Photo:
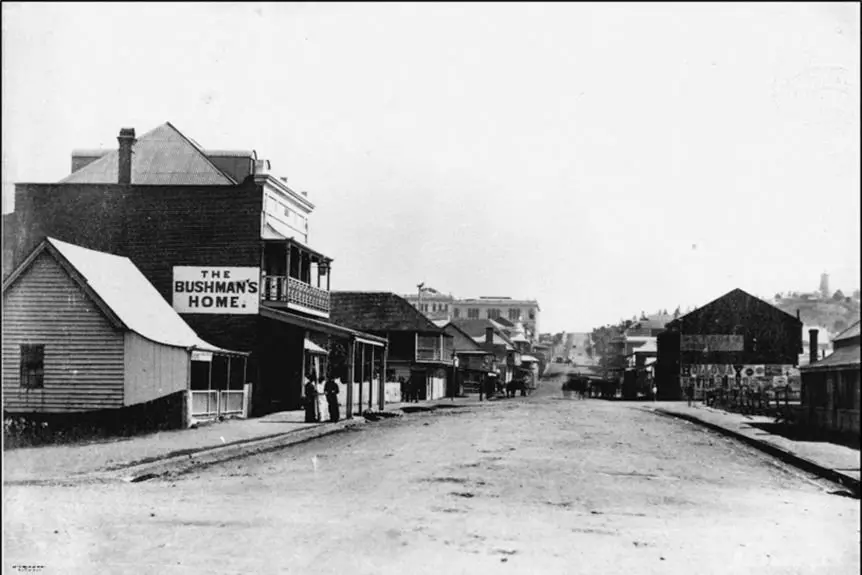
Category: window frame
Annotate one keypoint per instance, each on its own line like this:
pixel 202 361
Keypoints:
pixel 31 365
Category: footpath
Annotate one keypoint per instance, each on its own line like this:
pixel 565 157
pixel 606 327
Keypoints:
pixel 837 463
pixel 142 457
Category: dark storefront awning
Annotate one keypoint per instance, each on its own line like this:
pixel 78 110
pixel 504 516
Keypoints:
pixel 320 326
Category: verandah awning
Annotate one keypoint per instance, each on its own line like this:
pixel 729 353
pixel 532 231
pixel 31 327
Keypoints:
pixel 321 326
pixel 312 347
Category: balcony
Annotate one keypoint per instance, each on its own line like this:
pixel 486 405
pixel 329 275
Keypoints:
pixel 433 349
pixel 296 294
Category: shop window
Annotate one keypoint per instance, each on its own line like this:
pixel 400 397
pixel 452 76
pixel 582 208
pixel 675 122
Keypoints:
pixel 32 366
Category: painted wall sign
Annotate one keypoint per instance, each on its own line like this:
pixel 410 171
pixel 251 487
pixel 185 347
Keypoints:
pixel 202 356
pixel 216 290
pixel 695 342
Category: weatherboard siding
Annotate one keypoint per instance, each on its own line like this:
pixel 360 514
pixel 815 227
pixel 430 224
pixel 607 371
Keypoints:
pixel 83 352
pixel 153 370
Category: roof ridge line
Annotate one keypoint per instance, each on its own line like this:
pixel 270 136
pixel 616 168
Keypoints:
pixel 200 150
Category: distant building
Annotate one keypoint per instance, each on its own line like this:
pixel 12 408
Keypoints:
pixel 514 310
pixel 439 306
pixel 434 304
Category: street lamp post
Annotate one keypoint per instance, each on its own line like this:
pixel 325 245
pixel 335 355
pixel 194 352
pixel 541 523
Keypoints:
pixel 454 386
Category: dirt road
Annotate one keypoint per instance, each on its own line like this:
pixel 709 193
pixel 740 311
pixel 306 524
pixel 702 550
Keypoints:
pixel 535 485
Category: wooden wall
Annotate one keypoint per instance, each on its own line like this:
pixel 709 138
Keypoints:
pixel 83 351
pixel 153 370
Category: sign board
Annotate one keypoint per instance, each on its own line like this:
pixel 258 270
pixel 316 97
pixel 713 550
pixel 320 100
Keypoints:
pixel 202 355
pixel 216 290
pixel 706 343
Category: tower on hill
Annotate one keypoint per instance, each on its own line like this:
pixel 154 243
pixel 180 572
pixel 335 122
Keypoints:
pixel 824 285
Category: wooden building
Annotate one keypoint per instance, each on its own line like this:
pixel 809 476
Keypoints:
pixel 217 234
pixel 830 387
pixel 474 361
pixel 84 331
pixel 735 342
pixel 419 351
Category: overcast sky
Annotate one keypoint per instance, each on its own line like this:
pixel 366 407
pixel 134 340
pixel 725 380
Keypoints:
pixel 603 159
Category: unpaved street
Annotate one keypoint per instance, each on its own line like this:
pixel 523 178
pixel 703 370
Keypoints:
pixel 535 485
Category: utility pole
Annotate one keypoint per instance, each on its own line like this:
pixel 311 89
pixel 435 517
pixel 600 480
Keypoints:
pixel 419 287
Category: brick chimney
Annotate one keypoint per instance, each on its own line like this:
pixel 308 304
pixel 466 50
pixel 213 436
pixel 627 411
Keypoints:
pixel 813 347
pixel 489 335
pixel 127 140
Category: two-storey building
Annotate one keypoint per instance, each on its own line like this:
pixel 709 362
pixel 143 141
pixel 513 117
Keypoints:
pixel 514 310
pixel 220 237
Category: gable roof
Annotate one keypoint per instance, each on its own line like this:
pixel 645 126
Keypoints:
pixel 161 157
pixel 122 293
pixel 734 294
pixel 377 312
pixel 448 325
pixel 475 328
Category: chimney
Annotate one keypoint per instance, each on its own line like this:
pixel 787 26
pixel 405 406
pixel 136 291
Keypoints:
pixel 127 140
pixel 489 335
pixel 813 348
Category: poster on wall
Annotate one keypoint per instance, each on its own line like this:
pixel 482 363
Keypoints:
pixel 216 290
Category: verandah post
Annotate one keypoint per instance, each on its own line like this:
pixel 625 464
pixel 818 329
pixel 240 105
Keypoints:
pixel 348 412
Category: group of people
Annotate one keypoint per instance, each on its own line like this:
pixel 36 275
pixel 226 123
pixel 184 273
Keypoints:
pixel 409 390
pixel 330 390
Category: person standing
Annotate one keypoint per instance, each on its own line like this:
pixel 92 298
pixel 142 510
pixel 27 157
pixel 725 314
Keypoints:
pixel 311 414
pixel 331 391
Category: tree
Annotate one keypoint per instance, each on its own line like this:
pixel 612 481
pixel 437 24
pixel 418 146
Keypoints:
pixel 778 296
pixel 838 295
pixel 676 312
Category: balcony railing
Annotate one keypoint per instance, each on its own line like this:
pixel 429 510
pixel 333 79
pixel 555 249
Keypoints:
pixel 291 290
pixel 428 354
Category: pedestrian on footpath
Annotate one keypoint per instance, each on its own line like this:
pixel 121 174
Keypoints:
pixel 689 392
pixel 311 414
pixel 331 391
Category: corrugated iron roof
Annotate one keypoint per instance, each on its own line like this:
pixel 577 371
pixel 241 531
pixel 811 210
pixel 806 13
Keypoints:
pixel 131 297
pixel 377 312
pixel 843 357
pixel 852 331
pixel 161 157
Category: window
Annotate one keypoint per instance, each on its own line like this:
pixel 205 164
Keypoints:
pixel 433 307
pixel 493 313
pixel 514 314
pixel 32 365
pixel 456 312
pixel 532 314
pixel 473 313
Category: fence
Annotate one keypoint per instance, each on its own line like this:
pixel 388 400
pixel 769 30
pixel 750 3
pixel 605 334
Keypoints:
pixel 212 403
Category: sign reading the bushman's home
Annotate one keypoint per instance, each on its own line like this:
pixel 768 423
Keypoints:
pixel 216 290
pixel 712 343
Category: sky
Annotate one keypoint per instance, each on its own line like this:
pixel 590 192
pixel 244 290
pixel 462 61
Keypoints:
pixel 603 159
